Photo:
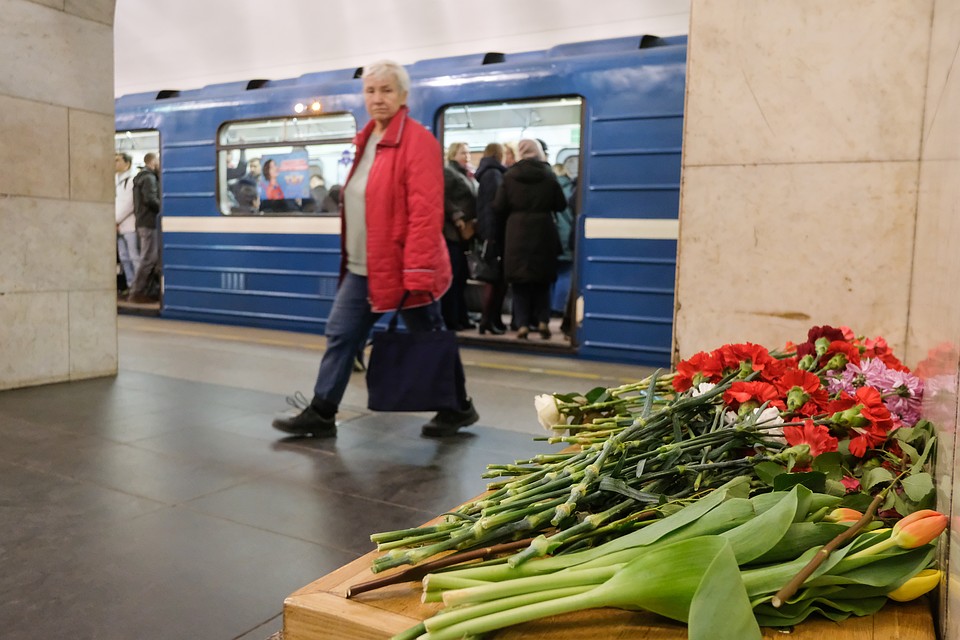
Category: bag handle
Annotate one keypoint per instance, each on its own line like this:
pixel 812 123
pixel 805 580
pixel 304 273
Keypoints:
pixel 392 325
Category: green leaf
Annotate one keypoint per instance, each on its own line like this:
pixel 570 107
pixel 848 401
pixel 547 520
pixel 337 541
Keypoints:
pixel 923 457
pixel 917 487
pixel 859 501
pixel 800 537
pixel 720 609
pixel 757 536
pixel 905 434
pixel 911 453
pixel 813 480
pixel 829 463
pixel 767 471
pixel 875 476
pixel 835 488
pixel 595 395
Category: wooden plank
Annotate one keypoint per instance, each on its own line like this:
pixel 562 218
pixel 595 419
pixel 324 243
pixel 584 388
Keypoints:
pixel 321 611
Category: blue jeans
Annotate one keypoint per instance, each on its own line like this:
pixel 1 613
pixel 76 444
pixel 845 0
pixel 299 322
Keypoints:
pixel 348 326
pixel 129 254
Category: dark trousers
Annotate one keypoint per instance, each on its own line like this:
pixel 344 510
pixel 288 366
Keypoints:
pixel 493 295
pixel 149 260
pixel 531 303
pixel 453 304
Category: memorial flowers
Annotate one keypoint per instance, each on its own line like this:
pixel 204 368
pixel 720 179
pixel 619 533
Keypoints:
pixel 833 421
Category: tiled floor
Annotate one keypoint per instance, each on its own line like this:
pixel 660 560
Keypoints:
pixel 159 504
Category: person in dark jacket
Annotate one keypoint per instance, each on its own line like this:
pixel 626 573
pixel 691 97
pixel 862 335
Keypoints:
pixel 525 202
pixel 146 210
pixel 489 177
pixel 459 216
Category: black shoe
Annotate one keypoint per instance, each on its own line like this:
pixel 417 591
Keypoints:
pixel 307 422
pixel 544 330
pixel 492 328
pixel 447 422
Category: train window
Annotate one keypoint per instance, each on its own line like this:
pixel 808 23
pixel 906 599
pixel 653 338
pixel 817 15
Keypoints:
pixel 284 166
pixel 137 144
pixel 553 121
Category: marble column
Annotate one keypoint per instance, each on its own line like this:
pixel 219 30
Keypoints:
pixel 821 185
pixel 57 247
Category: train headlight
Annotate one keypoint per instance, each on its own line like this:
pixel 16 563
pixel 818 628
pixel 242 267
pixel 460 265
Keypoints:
pixel 299 107
pixel 316 106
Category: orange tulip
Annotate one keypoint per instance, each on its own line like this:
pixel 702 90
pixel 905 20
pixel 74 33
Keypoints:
pixel 914 531
pixel 843 515
pixel 919 528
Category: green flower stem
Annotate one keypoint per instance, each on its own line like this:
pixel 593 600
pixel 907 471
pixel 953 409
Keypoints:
pixel 396 535
pixel 519 586
pixel 482 624
pixel 450 617
pixel 588 524
pixel 412 633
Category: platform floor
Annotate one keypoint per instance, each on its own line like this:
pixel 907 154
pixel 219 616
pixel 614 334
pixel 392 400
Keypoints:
pixel 161 505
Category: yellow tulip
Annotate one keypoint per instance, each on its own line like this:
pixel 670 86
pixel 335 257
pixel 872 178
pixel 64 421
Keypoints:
pixel 916 586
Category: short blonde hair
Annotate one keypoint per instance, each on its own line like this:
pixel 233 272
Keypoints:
pixel 382 68
pixel 454 149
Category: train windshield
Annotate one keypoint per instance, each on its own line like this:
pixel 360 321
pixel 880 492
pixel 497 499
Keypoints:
pixel 284 166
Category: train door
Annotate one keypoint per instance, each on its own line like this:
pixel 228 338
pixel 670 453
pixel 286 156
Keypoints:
pixel 556 124
pixel 132 149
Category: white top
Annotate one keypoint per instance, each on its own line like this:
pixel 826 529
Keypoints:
pixel 124 204
pixel 355 209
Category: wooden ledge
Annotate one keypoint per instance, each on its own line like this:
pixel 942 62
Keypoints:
pixel 321 611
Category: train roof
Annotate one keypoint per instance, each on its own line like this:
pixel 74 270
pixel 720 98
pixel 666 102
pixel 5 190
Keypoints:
pixel 421 69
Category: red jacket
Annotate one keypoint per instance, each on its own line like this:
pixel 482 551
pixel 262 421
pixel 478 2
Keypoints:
pixel 405 246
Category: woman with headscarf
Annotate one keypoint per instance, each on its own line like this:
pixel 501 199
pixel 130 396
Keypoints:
pixel 392 249
pixel 525 203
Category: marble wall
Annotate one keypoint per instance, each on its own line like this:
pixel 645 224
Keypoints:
pixel 933 328
pixel 57 253
pixel 821 185
pixel 800 169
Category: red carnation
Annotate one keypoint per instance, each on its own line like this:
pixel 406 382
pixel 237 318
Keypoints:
pixel 701 367
pixel 741 393
pixel 803 391
pixel 817 437
pixel 734 355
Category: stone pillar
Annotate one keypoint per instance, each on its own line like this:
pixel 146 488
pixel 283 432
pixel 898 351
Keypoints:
pixel 800 168
pixel 57 247
pixel 821 185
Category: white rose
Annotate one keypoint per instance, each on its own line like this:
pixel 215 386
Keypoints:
pixel 547 412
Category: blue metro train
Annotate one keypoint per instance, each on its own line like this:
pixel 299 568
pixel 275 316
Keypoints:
pixel 609 111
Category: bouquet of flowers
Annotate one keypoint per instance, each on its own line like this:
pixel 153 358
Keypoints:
pixel 836 416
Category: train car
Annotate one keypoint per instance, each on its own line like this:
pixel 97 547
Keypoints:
pixel 610 112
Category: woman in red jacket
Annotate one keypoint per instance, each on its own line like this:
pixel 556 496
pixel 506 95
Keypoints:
pixel 391 242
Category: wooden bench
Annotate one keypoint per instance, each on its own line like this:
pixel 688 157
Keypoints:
pixel 321 611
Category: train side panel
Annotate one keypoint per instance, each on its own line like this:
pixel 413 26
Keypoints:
pixel 281 272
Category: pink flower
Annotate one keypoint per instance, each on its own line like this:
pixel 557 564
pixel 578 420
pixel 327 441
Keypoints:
pixel 850 483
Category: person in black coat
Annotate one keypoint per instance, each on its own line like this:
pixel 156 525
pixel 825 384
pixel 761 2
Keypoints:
pixel 525 203
pixel 489 177
pixel 460 212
